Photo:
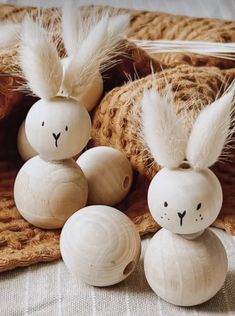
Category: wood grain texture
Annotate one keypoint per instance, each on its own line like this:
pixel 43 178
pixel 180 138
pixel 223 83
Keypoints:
pixel 100 245
pixel 200 267
pixel 109 175
pixel 21 244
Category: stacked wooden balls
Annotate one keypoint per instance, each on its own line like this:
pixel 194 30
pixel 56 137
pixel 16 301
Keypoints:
pixel 55 185
pixel 99 244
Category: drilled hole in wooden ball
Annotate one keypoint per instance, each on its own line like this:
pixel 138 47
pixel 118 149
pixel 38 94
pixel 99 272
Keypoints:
pixel 129 268
pixel 126 182
pixel 185 165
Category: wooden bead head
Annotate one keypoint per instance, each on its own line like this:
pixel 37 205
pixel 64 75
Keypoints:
pixel 185 201
pixel 58 129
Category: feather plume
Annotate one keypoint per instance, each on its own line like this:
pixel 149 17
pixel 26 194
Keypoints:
pixel 95 51
pixel 9 35
pixel 162 129
pixel 211 131
pixel 118 25
pixel 39 61
pixel 219 50
pixel 70 27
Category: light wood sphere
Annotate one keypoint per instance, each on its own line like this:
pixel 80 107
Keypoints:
pixel 47 193
pixel 109 174
pixel 185 201
pixel 92 94
pixel 185 272
pixel 100 245
pixel 25 150
pixel 58 129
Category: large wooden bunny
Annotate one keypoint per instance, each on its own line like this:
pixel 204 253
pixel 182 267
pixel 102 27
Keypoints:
pixel 185 263
pixel 50 187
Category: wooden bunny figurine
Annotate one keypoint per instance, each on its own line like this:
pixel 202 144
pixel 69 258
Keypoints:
pixel 90 42
pixel 185 263
pixel 50 187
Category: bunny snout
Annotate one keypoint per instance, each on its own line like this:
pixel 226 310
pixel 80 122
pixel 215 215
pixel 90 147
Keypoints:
pixel 181 216
pixel 56 137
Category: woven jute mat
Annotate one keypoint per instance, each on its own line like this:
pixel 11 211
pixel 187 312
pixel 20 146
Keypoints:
pixel 195 79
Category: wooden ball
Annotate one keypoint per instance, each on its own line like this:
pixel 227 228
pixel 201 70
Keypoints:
pixel 47 193
pixel 100 245
pixel 58 129
pixel 109 175
pixel 90 96
pixel 185 201
pixel 25 150
pixel 185 272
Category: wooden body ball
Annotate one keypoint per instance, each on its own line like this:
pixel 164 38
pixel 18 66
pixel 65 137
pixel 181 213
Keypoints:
pixel 25 150
pixel 109 175
pixel 92 94
pixel 47 193
pixel 100 245
pixel 185 272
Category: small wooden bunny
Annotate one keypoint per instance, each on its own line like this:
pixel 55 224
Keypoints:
pixel 51 186
pixel 90 42
pixel 185 263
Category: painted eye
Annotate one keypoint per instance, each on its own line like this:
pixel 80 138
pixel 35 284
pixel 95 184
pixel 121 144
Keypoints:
pixel 199 206
pixel 165 204
pixel 43 123
pixel 66 128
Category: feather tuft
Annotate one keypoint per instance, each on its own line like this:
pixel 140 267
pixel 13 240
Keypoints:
pixel 118 25
pixel 163 130
pixel 39 61
pixel 211 131
pixel 214 49
pixel 98 40
pixel 70 27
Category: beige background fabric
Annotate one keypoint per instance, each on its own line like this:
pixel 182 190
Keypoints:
pixel 48 289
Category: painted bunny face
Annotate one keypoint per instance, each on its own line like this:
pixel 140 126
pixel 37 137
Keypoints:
pixel 185 201
pixel 58 129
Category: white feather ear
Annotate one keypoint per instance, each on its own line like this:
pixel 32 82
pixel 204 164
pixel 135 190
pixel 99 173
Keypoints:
pixel 118 25
pixel 70 27
pixel 163 130
pixel 39 61
pixel 83 66
pixel 9 34
pixel 210 132
pixel 98 41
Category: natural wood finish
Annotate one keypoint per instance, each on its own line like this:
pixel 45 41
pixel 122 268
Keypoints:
pixel 185 272
pixel 108 173
pixel 100 245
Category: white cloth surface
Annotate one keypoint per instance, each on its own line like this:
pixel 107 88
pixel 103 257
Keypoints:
pixel 48 289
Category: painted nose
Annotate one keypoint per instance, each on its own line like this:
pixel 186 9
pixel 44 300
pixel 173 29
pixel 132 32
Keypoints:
pixel 56 137
pixel 181 216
